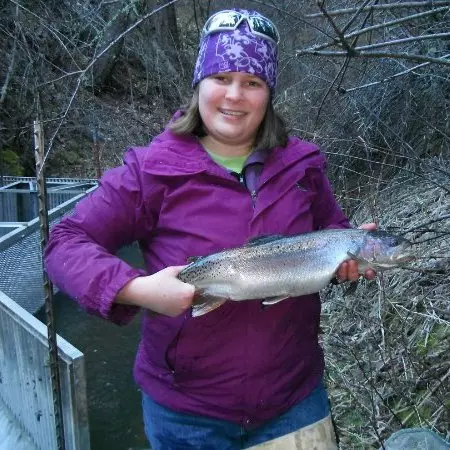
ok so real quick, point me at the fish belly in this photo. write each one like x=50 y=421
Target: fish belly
x=280 y=276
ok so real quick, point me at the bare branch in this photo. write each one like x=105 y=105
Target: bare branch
x=340 y=74
x=84 y=71
x=353 y=18
x=402 y=41
x=8 y=74
x=50 y=29
x=384 y=80
x=336 y=29
x=428 y=222
x=11 y=65
x=373 y=28
x=397 y=21
x=403 y=5
x=429 y=393
x=128 y=30
x=395 y=166
x=66 y=112
x=405 y=56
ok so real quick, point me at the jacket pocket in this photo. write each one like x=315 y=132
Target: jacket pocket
x=286 y=208
x=198 y=350
x=159 y=335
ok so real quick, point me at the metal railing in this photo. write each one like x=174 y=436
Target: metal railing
x=19 y=196
x=25 y=388
x=21 y=255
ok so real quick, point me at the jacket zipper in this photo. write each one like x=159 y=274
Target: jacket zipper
x=241 y=179
x=253 y=195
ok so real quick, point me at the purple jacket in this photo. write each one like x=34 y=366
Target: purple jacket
x=240 y=362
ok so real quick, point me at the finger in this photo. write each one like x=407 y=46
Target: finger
x=353 y=273
x=368 y=226
x=370 y=274
x=342 y=272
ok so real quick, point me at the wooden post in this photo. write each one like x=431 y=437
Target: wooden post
x=48 y=288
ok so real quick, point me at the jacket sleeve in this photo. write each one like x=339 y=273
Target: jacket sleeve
x=326 y=210
x=80 y=256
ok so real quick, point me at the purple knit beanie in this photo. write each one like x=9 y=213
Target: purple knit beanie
x=237 y=50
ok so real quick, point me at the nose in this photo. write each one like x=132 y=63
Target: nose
x=234 y=91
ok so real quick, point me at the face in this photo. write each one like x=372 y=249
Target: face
x=232 y=105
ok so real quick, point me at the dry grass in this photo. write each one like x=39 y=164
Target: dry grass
x=387 y=343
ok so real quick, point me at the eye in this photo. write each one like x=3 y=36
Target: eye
x=254 y=83
x=220 y=78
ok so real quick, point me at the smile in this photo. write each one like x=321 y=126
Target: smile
x=232 y=113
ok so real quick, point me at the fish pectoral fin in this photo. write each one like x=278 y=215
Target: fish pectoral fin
x=356 y=258
x=207 y=304
x=363 y=263
x=274 y=300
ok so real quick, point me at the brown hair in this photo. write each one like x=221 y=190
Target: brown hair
x=271 y=133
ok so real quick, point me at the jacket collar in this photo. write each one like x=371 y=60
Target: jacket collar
x=173 y=155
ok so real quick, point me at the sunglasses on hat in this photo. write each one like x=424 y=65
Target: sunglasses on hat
x=230 y=20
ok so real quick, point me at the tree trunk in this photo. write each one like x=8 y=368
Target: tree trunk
x=118 y=21
x=163 y=35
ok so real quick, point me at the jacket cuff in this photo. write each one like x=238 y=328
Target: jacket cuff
x=115 y=312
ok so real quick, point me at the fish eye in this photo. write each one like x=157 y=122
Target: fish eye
x=398 y=240
x=391 y=240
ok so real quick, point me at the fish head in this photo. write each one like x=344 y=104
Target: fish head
x=385 y=250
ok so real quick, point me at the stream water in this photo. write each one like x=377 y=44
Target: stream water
x=114 y=400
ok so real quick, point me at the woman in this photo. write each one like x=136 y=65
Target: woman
x=224 y=171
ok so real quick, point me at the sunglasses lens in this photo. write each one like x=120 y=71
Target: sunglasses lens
x=262 y=26
x=229 y=20
x=221 y=21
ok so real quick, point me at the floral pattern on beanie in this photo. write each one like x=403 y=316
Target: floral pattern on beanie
x=237 y=51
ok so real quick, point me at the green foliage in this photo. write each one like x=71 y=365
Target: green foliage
x=71 y=157
x=415 y=416
x=434 y=341
x=10 y=163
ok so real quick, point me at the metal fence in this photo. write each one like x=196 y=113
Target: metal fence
x=25 y=384
x=18 y=197
x=20 y=252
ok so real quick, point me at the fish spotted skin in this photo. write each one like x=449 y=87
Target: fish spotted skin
x=277 y=267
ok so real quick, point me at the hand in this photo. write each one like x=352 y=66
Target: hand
x=161 y=292
x=348 y=270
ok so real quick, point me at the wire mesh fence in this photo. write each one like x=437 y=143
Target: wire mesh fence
x=20 y=251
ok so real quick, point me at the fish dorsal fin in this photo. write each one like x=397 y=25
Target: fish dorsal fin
x=263 y=240
x=193 y=259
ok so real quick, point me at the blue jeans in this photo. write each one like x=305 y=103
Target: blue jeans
x=170 y=430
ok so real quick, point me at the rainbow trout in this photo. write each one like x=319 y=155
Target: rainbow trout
x=273 y=268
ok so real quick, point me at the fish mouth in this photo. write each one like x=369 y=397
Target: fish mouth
x=394 y=261
x=405 y=259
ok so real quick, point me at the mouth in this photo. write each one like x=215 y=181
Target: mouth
x=231 y=113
